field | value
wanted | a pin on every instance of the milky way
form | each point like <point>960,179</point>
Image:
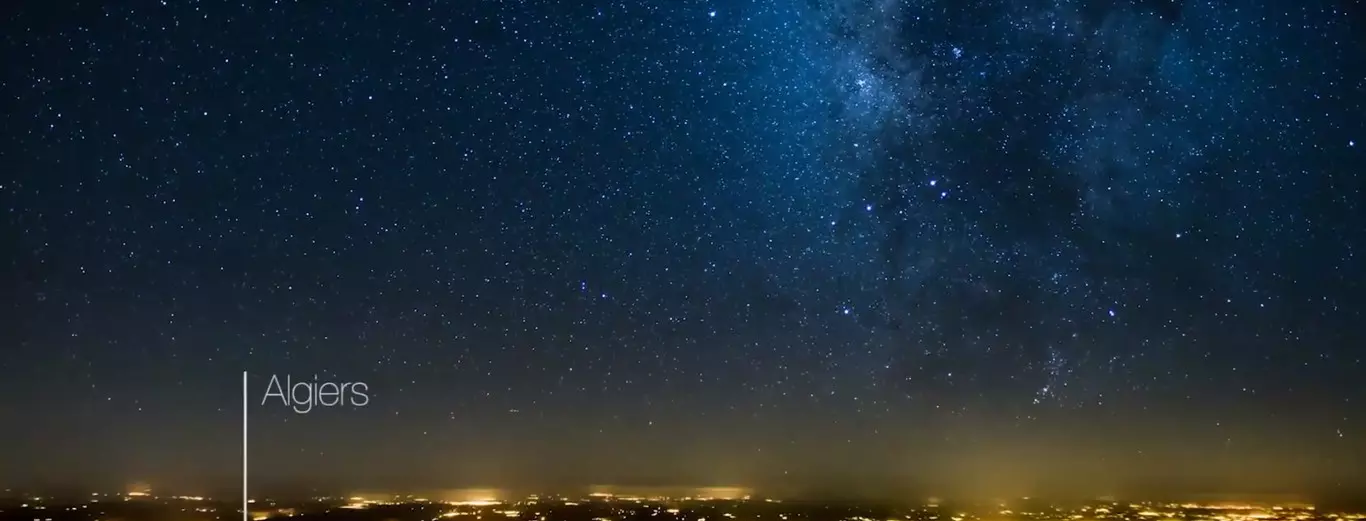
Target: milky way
<point>1069,187</point>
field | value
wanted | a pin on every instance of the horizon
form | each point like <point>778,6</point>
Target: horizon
<point>792,491</point>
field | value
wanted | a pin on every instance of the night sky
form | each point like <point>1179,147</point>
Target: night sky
<point>995,246</point>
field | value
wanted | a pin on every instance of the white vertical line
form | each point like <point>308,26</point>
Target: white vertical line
<point>244,446</point>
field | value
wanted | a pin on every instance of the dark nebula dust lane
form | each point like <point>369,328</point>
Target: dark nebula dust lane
<point>928,231</point>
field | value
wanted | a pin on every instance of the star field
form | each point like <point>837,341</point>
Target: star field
<point>755,230</point>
